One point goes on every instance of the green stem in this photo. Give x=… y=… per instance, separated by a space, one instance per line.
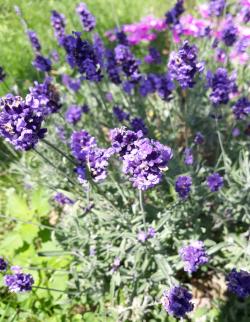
x=142 y=209
x=55 y=290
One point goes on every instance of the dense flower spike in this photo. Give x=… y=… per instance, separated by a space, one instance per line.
x=221 y=86
x=121 y=37
x=18 y=282
x=216 y=7
x=229 y=32
x=2 y=74
x=61 y=199
x=71 y=83
x=86 y=17
x=58 y=24
x=3 y=264
x=199 y=138
x=215 y=182
x=188 y=156
x=19 y=124
x=193 y=256
x=35 y=43
x=98 y=161
x=165 y=87
x=120 y=114
x=44 y=98
x=183 y=186
x=81 y=55
x=145 y=163
x=99 y=49
x=177 y=301
x=173 y=16
x=128 y=63
x=73 y=114
x=112 y=67
x=239 y=283
x=42 y=63
x=153 y=57
x=183 y=65
x=137 y=124
x=81 y=142
x=241 y=109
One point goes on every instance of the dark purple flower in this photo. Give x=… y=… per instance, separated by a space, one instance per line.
x=216 y=7
x=19 y=282
x=19 y=124
x=44 y=98
x=183 y=186
x=241 y=109
x=221 y=85
x=128 y=87
x=120 y=114
x=80 y=170
x=81 y=142
x=42 y=63
x=188 y=156
x=239 y=283
x=62 y=199
x=121 y=37
x=34 y=41
x=215 y=182
x=193 y=256
x=137 y=124
x=73 y=114
x=81 y=55
x=86 y=17
x=145 y=163
x=71 y=83
x=177 y=301
x=199 y=138
x=2 y=74
x=165 y=87
x=128 y=63
x=183 y=65
x=172 y=16
x=99 y=49
x=3 y=264
x=229 y=33
x=85 y=108
x=245 y=14
x=58 y=23
x=112 y=67
x=153 y=57
x=150 y=83
x=98 y=161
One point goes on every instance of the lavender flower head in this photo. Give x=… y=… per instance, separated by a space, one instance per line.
x=216 y=7
x=215 y=182
x=199 y=138
x=144 y=236
x=61 y=199
x=58 y=24
x=87 y=19
x=81 y=142
x=193 y=256
x=239 y=283
x=177 y=301
x=241 y=109
x=183 y=65
x=120 y=114
x=112 y=67
x=98 y=163
x=221 y=86
x=19 y=124
x=188 y=156
x=73 y=114
x=165 y=87
x=42 y=63
x=183 y=186
x=71 y=83
x=153 y=56
x=19 y=282
x=3 y=264
x=44 y=98
x=172 y=16
x=229 y=33
x=35 y=43
x=137 y=124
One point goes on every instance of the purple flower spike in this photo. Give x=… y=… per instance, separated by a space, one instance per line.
x=216 y=7
x=188 y=156
x=61 y=199
x=183 y=186
x=58 y=24
x=87 y=19
x=172 y=16
x=19 y=282
x=42 y=64
x=3 y=264
x=241 y=109
x=215 y=182
x=73 y=114
x=183 y=65
x=193 y=256
x=199 y=138
x=239 y=283
x=34 y=41
x=177 y=301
